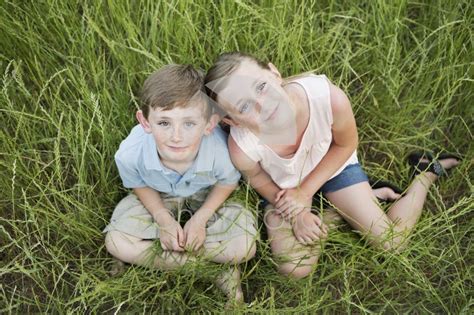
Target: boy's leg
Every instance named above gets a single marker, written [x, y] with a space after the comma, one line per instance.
[133, 250]
[232, 235]
[131, 233]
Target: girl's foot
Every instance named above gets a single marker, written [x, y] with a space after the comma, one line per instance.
[433, 168]
[229, 282]
[384, 190]
[385, 194]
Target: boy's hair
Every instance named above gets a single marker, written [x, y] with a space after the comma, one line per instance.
[225, 64]
[174, 86]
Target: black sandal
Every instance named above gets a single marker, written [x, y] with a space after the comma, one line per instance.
[432, 164]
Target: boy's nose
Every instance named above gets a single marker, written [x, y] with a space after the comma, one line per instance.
[177, 135]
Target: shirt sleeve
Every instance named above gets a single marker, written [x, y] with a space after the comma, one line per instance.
[224, 170]
[129, 175]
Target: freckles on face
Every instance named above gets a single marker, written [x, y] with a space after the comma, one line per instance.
[178, 132]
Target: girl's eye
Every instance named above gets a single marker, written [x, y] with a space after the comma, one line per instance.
[245, 107]
[190, 124]
[261, 87]
[163, 123]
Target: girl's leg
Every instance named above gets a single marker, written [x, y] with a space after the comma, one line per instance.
[357, 205]
[294, 259]
[133, 250]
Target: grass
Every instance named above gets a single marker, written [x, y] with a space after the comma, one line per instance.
[69, 74]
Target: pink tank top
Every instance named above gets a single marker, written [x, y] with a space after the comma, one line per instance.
[289, 173]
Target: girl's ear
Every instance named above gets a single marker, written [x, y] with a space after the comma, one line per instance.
[213, 121]
[143, 121]
[229, 121]
[274, 70]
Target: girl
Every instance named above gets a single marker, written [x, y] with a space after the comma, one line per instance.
[293, 137]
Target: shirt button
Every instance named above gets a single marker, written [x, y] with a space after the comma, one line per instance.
[187, 183]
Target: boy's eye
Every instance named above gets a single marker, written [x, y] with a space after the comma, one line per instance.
[163, 123]
[190, 124]
[261, 87]
[245, 107]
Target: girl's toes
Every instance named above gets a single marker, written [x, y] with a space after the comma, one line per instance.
[449, 163]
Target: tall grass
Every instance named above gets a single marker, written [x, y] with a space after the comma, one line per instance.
[69, 74]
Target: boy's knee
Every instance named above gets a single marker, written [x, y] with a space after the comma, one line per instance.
[243, 249]
[117, 246]
[236, 251]
[294, 271]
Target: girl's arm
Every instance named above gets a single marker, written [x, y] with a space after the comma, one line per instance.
[253, 172]
[345, 141]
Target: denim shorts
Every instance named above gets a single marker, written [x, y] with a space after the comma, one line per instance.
[352, 174]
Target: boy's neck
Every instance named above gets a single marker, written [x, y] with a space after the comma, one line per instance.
[178, 166]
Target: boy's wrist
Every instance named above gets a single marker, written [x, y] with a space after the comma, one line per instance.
[162, 217]
[203, 215]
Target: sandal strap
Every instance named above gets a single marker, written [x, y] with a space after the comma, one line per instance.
[433, 167]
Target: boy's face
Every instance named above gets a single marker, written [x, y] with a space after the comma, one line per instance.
[178, 132]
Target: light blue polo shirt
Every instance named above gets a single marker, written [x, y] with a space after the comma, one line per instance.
[139, 165]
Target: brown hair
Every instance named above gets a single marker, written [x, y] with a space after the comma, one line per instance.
[225, 64]
[173, 86]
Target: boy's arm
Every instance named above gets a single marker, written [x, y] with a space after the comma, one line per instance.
[215, 198]
[171, 233]
[253, 172]
[195, 229]
[151, 199]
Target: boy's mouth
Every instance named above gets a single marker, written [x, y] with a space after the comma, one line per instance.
[177, 149]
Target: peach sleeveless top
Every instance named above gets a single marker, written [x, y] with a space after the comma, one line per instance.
[290, 172]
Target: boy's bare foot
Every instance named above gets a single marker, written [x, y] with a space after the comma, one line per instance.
[229, 282]
[117, 268]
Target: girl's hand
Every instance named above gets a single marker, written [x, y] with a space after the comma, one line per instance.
[171, 233]
[195, 232]
[308, 228]
[291, 202]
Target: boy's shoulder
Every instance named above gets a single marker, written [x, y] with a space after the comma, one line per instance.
[218, 143]
[131, 147]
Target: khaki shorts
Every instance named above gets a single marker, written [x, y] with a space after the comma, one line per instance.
[228, 222]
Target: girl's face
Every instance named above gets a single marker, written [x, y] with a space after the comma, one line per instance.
[254, 98]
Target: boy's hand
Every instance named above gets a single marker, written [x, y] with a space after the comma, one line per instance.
[171, 233]
[308, 228]
[195, 232]
[291, 202]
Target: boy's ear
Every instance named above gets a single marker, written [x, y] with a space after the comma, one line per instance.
[213, 121]
[274, 70]
[229, 121]
[143, 121]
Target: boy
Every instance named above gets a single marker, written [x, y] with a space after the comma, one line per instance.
[176, 160]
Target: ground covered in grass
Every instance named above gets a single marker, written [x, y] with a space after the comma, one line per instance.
[70, 71]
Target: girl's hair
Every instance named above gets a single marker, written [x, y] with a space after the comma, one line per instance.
[225, 64]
